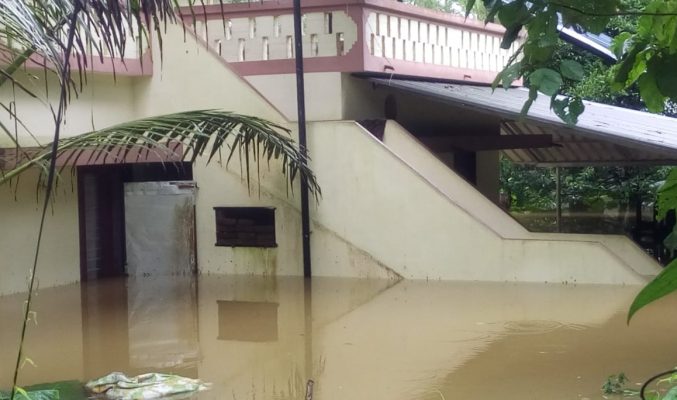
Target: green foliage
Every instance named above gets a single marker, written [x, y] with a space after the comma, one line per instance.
[646, 45]
[667, 195]
[546, 81]
[23, 394]
[664, 284]
[572, 69]
[614, 384]
[662, 389]
[529, 188]
[473, 8]
[583, 188]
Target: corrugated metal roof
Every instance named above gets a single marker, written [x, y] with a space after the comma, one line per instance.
[604, 134]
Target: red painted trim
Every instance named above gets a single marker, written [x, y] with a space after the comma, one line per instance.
[401, 67]
[288, 66]
[124, 67]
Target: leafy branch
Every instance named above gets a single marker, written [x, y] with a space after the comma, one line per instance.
[185, 135]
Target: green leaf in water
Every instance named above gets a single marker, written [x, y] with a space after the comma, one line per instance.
[671, 394]
[664, 284]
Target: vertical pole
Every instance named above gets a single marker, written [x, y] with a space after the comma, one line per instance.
[558, 198]
[301, 110]
[308, 327]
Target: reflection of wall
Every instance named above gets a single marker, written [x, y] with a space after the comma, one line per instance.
[55, 344]
[247, 321]
[403, 342]
[248, 367]
[162, 324]
[367, 340]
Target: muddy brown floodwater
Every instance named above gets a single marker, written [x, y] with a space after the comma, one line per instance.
[261, 338]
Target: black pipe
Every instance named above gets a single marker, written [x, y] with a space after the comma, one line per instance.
[301, 109]
[653, 378]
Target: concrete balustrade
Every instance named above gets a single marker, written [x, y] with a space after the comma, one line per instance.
[267, 37]
[351, 36]
[133, 62]
[417, 40]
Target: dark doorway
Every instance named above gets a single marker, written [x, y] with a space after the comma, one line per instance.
[102, 211]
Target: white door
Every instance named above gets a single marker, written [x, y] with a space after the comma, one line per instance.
[160, 228]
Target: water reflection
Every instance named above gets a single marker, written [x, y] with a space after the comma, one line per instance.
[357, 339]
[247, 321]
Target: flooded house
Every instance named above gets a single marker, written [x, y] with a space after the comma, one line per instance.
[404, 136]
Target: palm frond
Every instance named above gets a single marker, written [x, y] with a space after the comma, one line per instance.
[202, 133]
[43, 31]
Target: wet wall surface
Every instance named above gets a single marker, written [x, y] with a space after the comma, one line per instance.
[262, 338]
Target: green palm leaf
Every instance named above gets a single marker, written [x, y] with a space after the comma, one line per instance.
[202, 133]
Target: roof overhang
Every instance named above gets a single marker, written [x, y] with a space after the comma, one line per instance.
[604, 135]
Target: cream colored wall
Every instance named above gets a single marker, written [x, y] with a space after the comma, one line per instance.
[406, 222]
[322, 89]
[452, 185]
[59, 261]
[530, 254]
[103, 102]
[169, 90]
[191, 77]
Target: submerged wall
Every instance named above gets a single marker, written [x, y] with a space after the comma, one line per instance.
[21, 207]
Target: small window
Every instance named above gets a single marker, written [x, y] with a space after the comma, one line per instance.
[245, 226]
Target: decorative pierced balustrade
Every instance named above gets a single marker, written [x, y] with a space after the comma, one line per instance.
[133, 63]
[257, 38]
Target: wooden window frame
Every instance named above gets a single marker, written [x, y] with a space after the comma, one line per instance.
[245, 227]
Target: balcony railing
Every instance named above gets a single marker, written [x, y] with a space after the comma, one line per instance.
[352, 36]
[133, 63]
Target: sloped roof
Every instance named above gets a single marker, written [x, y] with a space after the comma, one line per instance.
[604, 134]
